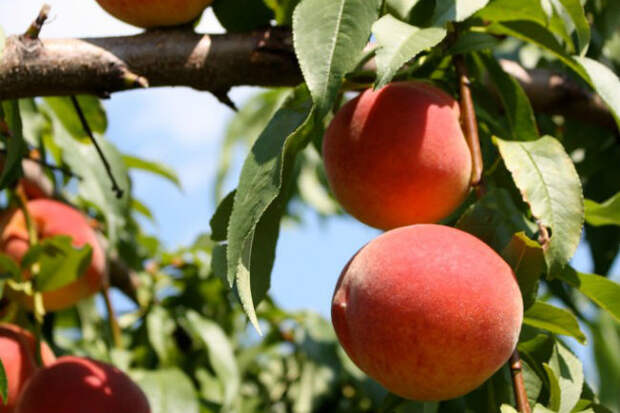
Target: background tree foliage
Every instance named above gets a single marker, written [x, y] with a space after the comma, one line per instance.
[188, 342]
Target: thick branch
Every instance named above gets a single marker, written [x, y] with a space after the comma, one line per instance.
[179, 57]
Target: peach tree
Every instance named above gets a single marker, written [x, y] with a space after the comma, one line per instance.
[538, 96]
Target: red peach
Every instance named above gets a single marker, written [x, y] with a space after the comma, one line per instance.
[53, 218]
[429, 311]
[17, 353]
[79, 385]
[397, 156]
[155, 13]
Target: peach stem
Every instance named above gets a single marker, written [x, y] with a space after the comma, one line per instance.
[470, 128]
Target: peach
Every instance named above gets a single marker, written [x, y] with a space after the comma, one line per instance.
[155, 13]
[80, 385]
[397, 156]
[17, 347]
[429, 311]
[53, 218]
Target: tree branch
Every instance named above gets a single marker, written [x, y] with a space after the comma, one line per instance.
[172, 57]
[180, 57]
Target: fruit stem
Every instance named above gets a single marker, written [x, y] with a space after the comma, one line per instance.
[516, 370]
[470, 126]
[112, 320]
[117, 190]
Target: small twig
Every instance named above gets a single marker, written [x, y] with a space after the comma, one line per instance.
[516, 370]
[113, 322]
[470, 126]
[35, 28]
[117, 190]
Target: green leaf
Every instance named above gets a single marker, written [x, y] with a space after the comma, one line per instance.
[91, 107]
[549, 183]
[329, 37]
[565, 373]
[557, 320]
[221, 356]
[283, 10]
[160, 326]
[4, 383]
[155, 168]
[59, 262]
[581, 26]
[9, 269]
[257, 208]
[401, 8]
[15, 144]
[528, 262]
[468, 42]
[142, 209]
[607, 213]
[168, 390]
[510, 10]
[455, 10]
[219, 221]
[606, 342]
[602, 291]
[542, 409]
[538, 35]
[245, 127]
[398, 43]
[605, 82]
[242, 15]
[494, 219]
[516, 104]
[533, 383]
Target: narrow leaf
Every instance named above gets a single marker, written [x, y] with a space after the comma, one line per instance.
[329, 36]
[605, 82]
[15, 145]
[607, 213]
[549, 183]
[602, 291]
[514, 100]
[398, 43]
[142, 209]
[156, 168]
[168, 390]
[569, 373]
[582, 27]
[221, 355]
[556, 320]
[528, 262]
[455, 10]
[254, 221]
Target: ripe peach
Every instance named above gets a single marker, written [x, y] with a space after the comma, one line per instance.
[155, 13]
[397, 156]
[79, 385]
[17, 347]
[53, 218]
[428, 311]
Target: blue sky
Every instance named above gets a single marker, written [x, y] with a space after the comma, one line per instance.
[183, 129]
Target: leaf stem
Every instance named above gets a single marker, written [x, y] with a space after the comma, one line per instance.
[117, 190]
[35, 28]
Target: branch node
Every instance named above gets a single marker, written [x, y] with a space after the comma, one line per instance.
[133, 80]
[35, 28]
[223, 97]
